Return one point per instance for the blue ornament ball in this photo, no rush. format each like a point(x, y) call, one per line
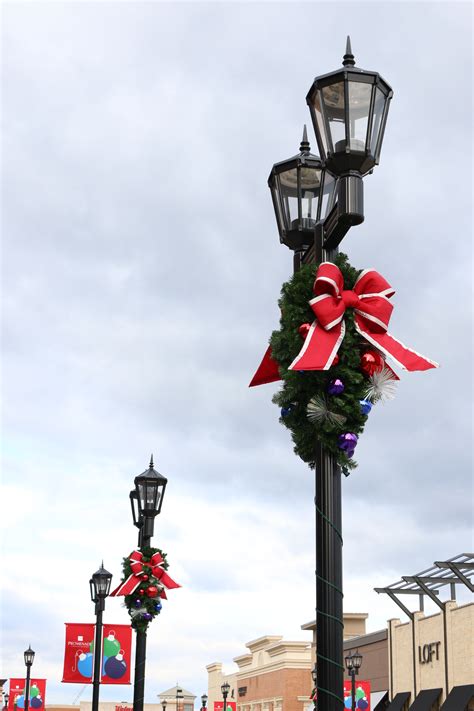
point(365, 406)
point(104, 662)
point(84, 665)
point(158, 606)
point(20, 701)
point(285, 411)
point(137, 603)
point(36, 702)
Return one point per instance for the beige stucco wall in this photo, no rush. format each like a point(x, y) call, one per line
point(414, 655)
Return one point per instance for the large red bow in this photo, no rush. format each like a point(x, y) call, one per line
point(140, 568)
point(372, 311)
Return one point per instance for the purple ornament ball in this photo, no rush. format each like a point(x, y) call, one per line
point(137, 603)
point(347, 442)
point(336, 387)
point(146, 616)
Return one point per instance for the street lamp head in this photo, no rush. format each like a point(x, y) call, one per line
point(349, 109)
point(150, 488)
point(179, 693)
point(357, 661)
point(225, 688)
point(314, 673)
point(349, 662)
point(100, 584)
point(163, 704)
point(302, 194)
point(204, 698)
point(29, 656)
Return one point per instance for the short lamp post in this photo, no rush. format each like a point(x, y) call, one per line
point(353, 663)
point(99, 587)
point(5, 700)
point(225, 693)
point(146, 500)
point(163, 704)
point(314, 675)
point(179, 695)
point(29, 656)
point(204, 698)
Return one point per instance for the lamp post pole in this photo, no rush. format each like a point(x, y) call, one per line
point(316, 201)
point(99, 587)
point(146, 500)
point(29, 657)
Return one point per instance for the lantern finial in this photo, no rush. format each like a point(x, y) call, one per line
point(348, 59)
point(151, 462)
point(304, 146)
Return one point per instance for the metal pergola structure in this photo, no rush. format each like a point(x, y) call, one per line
point(454, 571)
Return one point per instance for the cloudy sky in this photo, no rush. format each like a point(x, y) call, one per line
point(141, 271)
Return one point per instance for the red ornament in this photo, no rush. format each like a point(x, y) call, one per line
point(141, 592)
point(335, 361)
point(152, 591)
point(303, 330)
point(371, 362)
point(144, 577)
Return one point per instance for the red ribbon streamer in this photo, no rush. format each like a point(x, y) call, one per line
point(372, 311)
point(140, 568)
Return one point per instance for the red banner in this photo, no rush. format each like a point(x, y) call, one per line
point(116, 654)
point(79, 654)
point(16, 698)
point(362, 695)
point(219, 706)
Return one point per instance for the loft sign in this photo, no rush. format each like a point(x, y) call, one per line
point(427, 652)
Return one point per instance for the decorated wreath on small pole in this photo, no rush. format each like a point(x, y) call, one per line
point(143, 585)
point(330, 353)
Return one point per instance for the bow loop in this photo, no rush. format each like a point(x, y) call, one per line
point(329, 280)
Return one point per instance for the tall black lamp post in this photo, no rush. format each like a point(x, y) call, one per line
point(29, 657)
point(225, 693)
point(353, 663)
point(146, 501)
point(204, 698)
point(100, 587)
point(316, 201)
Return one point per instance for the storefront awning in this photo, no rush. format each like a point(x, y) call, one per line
point(425, 700)
point(458, 698)
point(376, 697)
point(399, 701)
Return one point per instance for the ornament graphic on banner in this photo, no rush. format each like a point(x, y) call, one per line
point(17, 694)
point(230, 706)
point(79, 654)
point(362, 695)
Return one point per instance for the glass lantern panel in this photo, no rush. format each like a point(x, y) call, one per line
point(327, 196)
point(334, 106)
point(289, 196)
point(320, 121)
point(379, 104)
point(310, 189)
point(359, 109)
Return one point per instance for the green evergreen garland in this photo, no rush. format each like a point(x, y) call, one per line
point(150, 605)
point(300, 387)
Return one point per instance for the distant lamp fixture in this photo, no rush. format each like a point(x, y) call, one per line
point(225, 692)
point(100, 585)
point(29, 656)
point(204, 698)
point(353, 663)
point(314, 674)
point(302, 194)
point(163, 704)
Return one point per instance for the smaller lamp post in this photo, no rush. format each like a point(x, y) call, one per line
point(100, 588)
point(204, 698)
point(29, 656)
point(163, 704)
point(353, 663)
point(225, 692)
point(179, 695)
point(314, 674)
point(5, 700)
